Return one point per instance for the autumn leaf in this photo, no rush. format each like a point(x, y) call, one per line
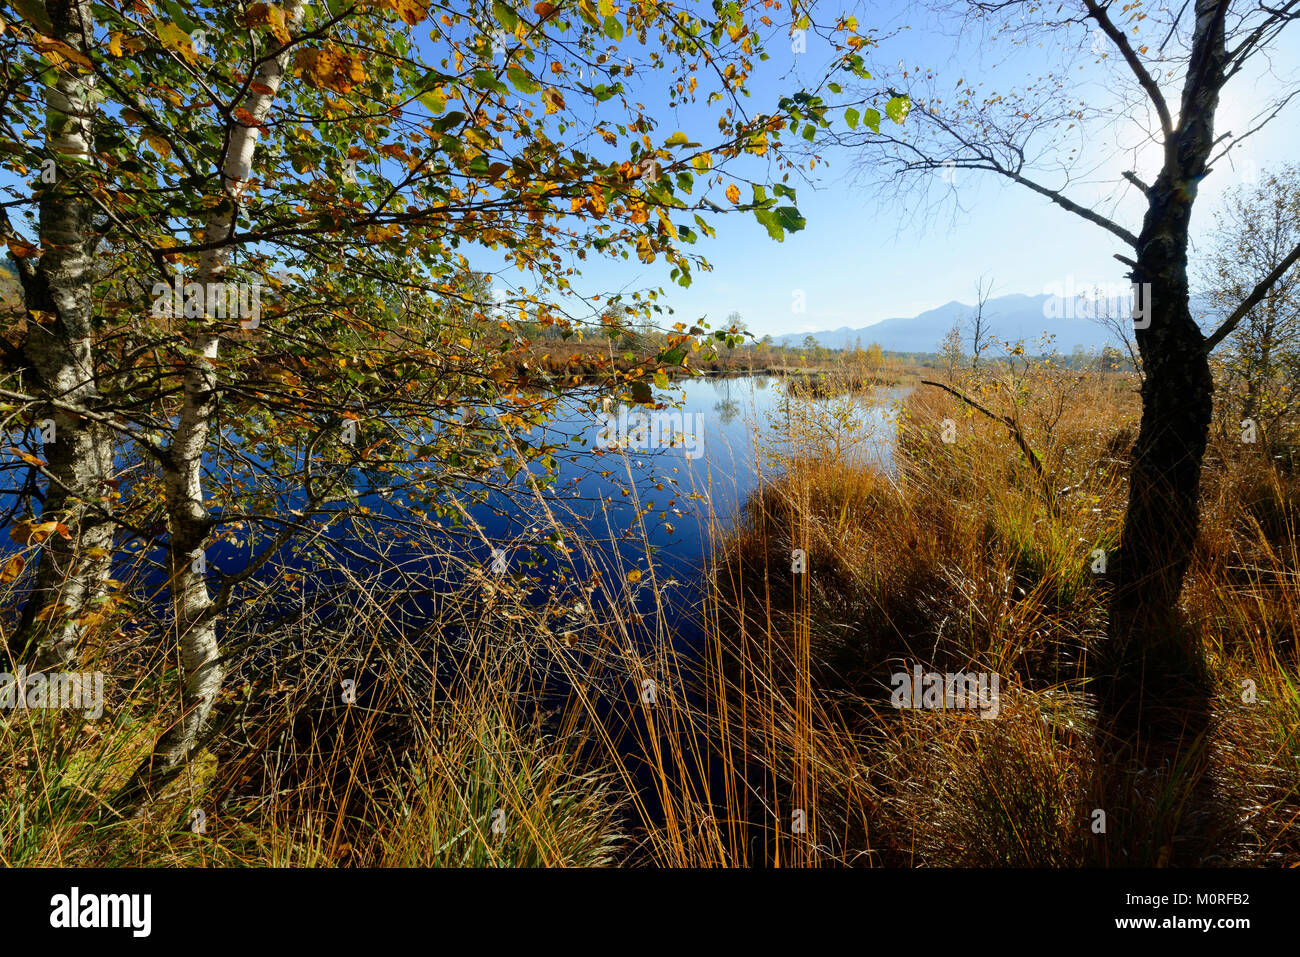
point(13, 568)
point(268, 15)
point(59, 53)
point(177, 40)
point(634, 576)
point(27, 457)
point(159, 144)
point(553, 99)
point(26, 533)
point(545, 10)
point(589, 13)
point(330, 68)
point(49, 611)
point(733, 194)
point(411, 11)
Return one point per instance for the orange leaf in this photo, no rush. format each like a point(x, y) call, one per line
point(27, 457)
point(49, 611)
point(13, 568)
point(25, 533)
point(268, 15)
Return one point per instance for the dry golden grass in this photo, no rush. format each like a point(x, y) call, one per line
point(778, 745)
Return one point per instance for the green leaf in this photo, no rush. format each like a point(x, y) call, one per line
point(433, 101)
point(897, 108)
point(851, 117)
point(34, 13)
point(872, 119)
point(770, 220)
point(613, 28)
point(444, 123)
point(521, 80)
point(486, 80)
point(673, 357)
point(505, 15)
point(790, 218)
point(179, 16)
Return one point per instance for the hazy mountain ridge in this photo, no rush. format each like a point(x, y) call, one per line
point(1009, 318)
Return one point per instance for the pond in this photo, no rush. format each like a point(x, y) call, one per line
point(635, 497)
point(647, 502)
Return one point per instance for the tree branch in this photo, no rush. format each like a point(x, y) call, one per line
point(1253, 300)
point(1011, 426)
point(1126, 50)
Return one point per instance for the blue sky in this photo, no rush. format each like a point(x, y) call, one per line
point(864, 257)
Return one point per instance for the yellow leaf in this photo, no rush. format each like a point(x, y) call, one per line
point(733, 194)
point(159, 144)
point(26, 533)
point(59, 53)
point(13, 568)
point(330, 68)
point(634, 576)
point(268, 15)
point(28, 457)
point(49, 611)
point(174, 38)
point(667, 223)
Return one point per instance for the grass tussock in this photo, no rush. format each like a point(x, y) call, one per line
point(962, 561)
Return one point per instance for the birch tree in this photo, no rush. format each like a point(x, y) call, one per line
point(75, 524)
point(331, 156)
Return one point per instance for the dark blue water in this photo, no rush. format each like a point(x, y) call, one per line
point(620, 529)
point(640, 515)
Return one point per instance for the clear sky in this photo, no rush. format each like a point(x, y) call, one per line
point(865, 256)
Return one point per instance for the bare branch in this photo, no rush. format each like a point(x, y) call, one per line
point(1012, 427)
point(1126, 50)
point(1250, 302)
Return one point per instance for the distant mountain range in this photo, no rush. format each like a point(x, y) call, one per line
point(1010, 318)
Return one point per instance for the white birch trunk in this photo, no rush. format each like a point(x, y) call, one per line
point(187, 515)
point(58, 349)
